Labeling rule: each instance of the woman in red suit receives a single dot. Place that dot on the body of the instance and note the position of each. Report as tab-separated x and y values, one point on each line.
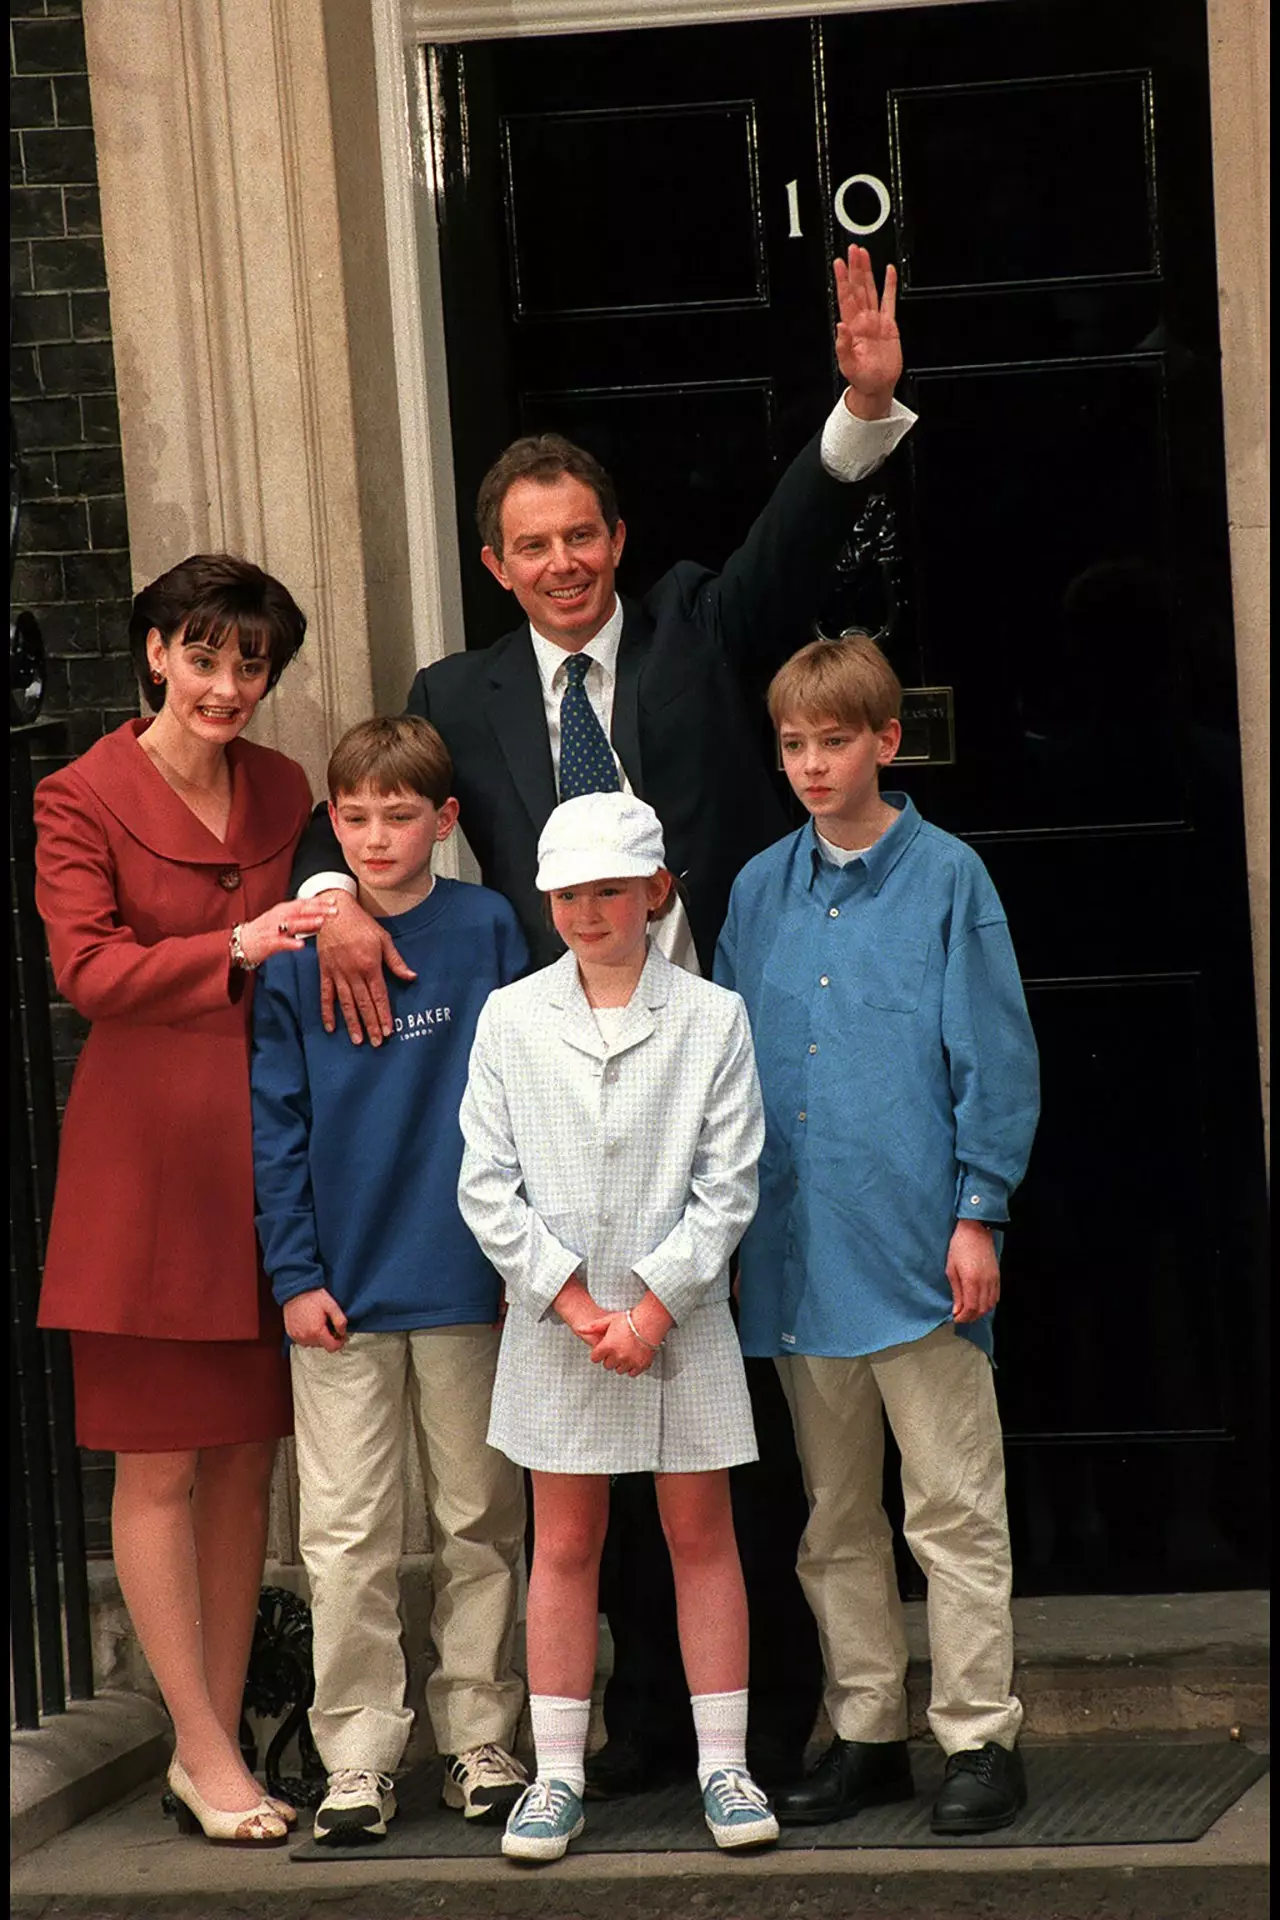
162	856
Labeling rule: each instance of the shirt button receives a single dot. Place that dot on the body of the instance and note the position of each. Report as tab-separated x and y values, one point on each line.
229	878
802	1116
833	913
813	1049
825	980
975	1199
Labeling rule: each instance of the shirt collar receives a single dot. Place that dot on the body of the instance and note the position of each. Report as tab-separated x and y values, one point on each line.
879	859
603	649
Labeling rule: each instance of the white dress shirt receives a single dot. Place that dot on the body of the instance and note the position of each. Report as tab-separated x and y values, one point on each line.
672	934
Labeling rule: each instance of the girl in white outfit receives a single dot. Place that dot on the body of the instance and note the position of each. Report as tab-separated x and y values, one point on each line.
612	1123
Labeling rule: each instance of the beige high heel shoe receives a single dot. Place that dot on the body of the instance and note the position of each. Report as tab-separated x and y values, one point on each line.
258	1826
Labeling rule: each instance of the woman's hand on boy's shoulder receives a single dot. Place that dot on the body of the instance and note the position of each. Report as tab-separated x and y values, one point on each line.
973	1270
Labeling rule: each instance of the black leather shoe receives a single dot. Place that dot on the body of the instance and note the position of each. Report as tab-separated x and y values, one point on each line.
851	1774
983	1788
624	1766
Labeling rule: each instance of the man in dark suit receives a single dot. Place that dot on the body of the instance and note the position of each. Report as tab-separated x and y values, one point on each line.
600	691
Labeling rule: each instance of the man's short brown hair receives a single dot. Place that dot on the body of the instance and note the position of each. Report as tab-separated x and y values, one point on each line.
848	680
543	457
403	755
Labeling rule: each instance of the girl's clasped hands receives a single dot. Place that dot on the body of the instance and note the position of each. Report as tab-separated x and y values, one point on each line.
621	1341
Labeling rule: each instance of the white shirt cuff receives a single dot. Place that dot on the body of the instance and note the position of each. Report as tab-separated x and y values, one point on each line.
853	448
325	883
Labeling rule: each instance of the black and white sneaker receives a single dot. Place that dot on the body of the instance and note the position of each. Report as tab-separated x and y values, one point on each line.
484	1782
356	1807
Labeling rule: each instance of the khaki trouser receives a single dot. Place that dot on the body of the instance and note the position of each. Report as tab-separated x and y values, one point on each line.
940	1400
351	1412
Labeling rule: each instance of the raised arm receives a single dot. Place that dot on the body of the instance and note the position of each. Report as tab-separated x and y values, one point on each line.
761	606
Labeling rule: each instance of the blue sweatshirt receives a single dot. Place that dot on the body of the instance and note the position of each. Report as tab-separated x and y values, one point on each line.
900	1082
357	1149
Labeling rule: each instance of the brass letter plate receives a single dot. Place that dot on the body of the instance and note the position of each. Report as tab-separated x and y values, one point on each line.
928	727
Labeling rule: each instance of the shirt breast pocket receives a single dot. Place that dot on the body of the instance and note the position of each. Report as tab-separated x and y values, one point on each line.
891	977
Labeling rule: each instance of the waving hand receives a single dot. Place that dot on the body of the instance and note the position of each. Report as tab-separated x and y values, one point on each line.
868	350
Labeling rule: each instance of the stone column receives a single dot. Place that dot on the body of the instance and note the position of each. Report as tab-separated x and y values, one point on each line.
225	264
251	313
1239	85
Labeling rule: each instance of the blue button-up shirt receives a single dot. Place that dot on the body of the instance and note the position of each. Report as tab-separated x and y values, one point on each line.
900	1082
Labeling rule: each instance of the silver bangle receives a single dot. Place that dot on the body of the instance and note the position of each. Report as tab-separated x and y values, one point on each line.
637	1335
239	958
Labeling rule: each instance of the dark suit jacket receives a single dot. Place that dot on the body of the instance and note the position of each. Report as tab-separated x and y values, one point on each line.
694	654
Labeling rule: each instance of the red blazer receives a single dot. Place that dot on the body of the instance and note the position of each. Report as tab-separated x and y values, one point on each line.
152	1231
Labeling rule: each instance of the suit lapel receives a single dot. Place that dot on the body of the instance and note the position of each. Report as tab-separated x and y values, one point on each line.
651	993
129	784
577	1022
516	715
632	651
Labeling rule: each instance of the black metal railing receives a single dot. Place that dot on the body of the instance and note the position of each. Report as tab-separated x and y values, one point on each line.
49	1634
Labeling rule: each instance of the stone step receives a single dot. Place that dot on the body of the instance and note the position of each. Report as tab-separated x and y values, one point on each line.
128	1862
1189	1664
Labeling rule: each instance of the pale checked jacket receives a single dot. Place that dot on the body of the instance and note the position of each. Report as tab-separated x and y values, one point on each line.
633	1163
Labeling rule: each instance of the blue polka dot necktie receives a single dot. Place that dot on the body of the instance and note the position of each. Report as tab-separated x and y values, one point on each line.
587	764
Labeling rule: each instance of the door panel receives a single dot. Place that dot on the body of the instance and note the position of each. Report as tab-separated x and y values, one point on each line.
991	192
605	231
635	233
679	182
1058	563
1134	1288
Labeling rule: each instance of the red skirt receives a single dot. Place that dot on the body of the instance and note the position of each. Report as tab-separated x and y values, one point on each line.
169	1396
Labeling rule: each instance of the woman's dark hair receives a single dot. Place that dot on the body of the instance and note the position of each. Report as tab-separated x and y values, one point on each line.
210	598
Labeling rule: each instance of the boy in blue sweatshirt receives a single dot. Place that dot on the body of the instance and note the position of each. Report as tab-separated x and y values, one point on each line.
389	1305
901	1095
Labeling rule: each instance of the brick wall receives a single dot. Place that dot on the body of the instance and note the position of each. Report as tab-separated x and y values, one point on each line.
72	570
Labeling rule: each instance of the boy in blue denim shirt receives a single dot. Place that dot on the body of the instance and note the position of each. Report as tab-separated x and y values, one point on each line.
901	1095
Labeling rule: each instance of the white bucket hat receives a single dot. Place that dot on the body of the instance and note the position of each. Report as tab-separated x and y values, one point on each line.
599	836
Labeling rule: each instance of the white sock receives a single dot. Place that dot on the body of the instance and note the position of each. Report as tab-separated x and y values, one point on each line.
560	1737
720	1722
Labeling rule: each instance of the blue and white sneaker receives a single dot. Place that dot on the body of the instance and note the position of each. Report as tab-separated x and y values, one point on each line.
546	1817
738	1813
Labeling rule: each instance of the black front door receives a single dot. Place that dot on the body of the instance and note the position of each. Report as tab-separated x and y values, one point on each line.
636	231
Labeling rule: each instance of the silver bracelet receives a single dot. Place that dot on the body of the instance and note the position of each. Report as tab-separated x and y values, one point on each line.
239	958
637	1335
